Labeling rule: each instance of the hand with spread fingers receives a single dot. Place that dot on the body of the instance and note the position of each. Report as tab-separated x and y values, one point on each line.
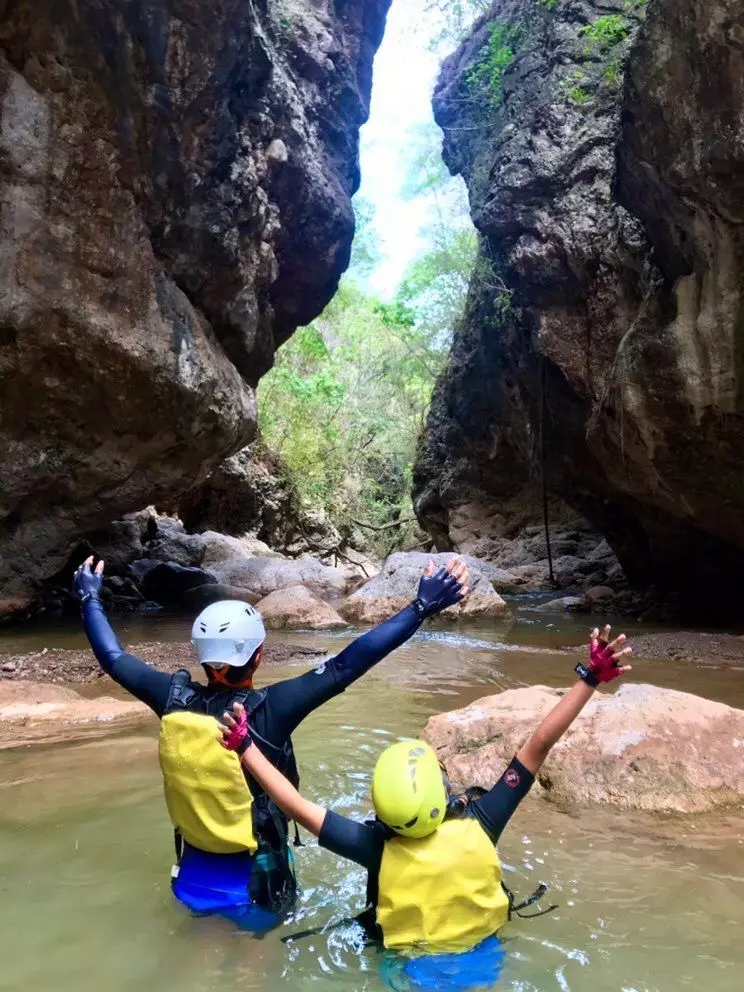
88	581
605	658
235	734
445	587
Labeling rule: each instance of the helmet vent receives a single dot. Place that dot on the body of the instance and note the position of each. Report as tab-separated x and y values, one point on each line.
224	627
203	628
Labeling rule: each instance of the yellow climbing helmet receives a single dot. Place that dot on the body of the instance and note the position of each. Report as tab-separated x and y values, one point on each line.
408	791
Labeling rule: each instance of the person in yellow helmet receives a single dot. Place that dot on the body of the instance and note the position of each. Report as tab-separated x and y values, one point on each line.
434	873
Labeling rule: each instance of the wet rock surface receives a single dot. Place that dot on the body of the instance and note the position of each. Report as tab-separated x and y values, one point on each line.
638	748
600	345
176	189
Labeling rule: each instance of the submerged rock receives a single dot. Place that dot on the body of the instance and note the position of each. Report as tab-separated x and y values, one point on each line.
641	747
397	582
296	607
31	712
176	193
565	604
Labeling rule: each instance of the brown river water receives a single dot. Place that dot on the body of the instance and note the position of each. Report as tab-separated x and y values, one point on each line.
646	903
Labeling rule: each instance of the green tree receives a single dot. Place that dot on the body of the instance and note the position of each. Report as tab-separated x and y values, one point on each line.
453	19
344	406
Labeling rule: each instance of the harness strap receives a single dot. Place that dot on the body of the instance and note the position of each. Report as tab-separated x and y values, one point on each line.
178	841
297	839
536	895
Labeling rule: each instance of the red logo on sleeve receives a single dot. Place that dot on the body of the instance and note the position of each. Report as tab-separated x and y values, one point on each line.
511	777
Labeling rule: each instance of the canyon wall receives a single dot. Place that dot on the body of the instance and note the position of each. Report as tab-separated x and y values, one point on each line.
602	144
175	184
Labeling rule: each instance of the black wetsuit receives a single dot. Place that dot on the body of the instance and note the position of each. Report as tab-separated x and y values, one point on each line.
287	703
364	842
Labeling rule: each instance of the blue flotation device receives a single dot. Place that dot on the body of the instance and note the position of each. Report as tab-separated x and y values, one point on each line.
219	884
479	968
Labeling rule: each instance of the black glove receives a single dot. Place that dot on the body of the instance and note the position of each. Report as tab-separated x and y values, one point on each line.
87	582
437	592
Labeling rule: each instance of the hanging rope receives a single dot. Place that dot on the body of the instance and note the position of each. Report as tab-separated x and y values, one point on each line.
543	474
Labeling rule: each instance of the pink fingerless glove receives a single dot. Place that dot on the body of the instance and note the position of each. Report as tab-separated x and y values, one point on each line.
239	737
602	664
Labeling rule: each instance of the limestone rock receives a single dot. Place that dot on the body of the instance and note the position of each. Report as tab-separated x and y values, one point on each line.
176	194
640	747
265	575
249	492
396	584
605	180
296	607
598	594
31	712
219	548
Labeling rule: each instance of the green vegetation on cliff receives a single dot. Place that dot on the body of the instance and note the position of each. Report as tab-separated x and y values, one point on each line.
485	76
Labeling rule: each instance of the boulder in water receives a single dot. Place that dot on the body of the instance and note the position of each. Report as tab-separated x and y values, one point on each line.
638	748
296	607
264	575
199	597
564	604
396	585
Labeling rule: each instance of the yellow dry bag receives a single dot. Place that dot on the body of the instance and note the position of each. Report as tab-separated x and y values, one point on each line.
441	893
207	795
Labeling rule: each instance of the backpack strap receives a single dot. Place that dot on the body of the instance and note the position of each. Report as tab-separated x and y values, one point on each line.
180	694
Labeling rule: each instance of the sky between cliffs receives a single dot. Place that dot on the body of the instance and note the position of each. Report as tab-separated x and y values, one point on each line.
405	72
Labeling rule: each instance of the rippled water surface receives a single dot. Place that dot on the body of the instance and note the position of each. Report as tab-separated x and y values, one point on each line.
646	903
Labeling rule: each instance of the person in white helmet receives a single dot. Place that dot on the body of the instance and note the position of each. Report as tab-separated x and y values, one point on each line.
231	838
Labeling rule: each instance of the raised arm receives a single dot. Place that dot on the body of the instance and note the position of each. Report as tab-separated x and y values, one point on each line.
604	666
234	736
133	674
292	700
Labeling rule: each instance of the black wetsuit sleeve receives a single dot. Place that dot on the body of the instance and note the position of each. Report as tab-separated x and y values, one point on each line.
289	702
494	810
132	674
359	842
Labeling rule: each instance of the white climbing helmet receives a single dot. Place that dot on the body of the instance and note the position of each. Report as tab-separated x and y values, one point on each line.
227	633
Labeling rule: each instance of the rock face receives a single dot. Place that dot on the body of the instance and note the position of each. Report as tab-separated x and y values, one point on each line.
396	584
641	748
603	334
296	607
175	188
251	492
